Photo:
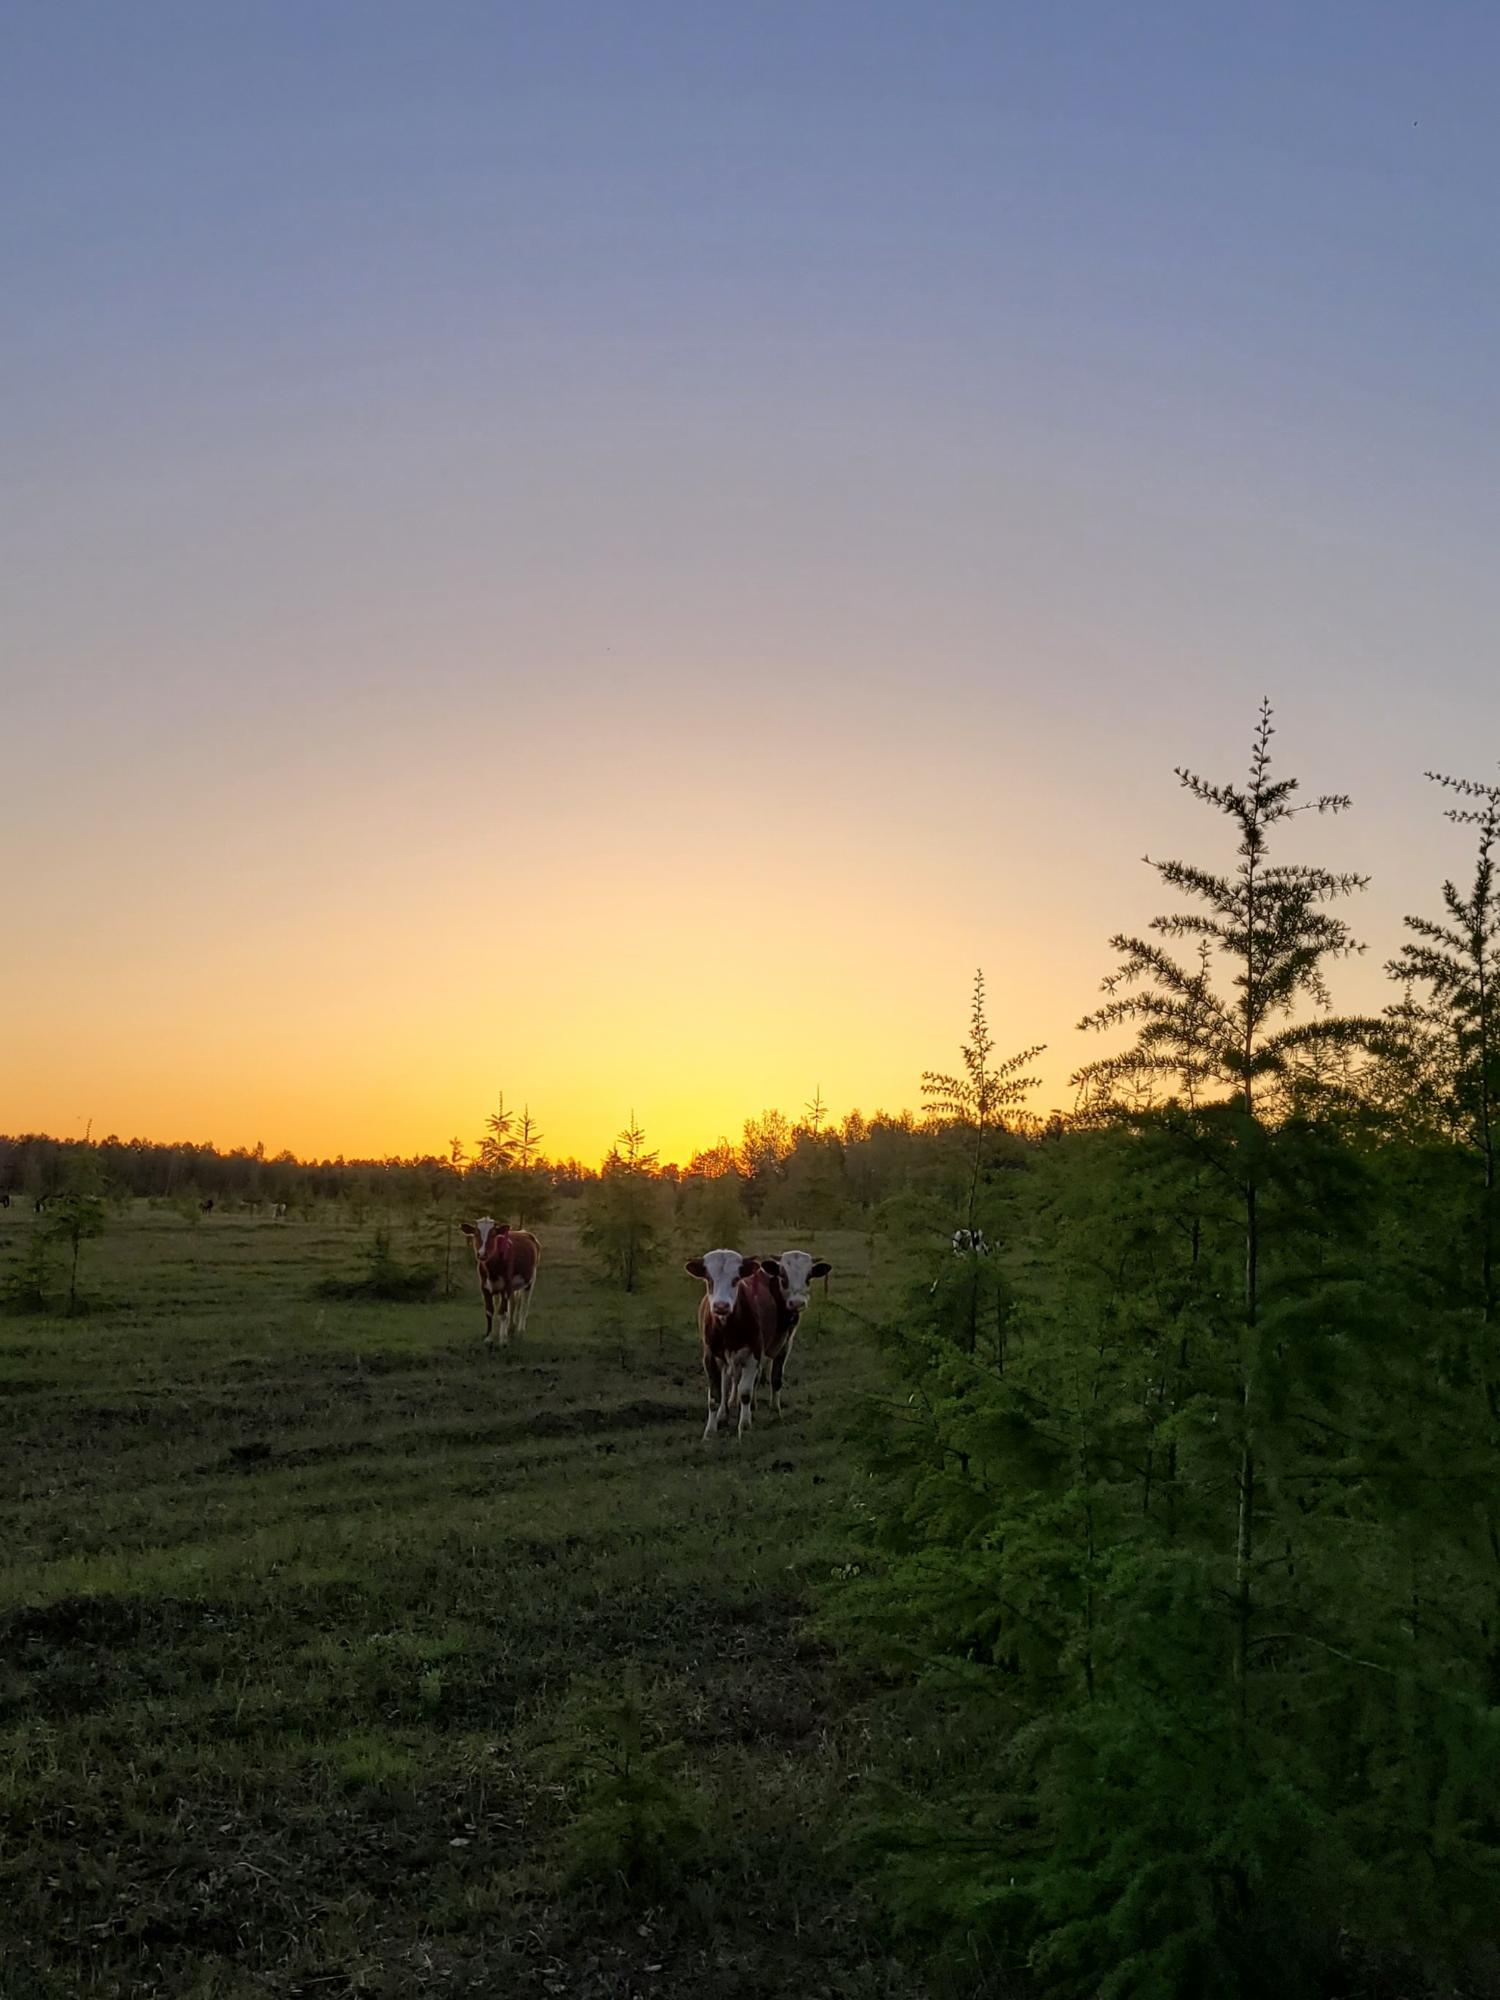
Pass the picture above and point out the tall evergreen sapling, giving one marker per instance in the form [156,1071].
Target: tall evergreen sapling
[984,1099]
[987,1100]
[622,1219]
[78,1215]
[1272,924]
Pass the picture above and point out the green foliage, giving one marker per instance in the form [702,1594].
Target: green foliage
[624,1221]
[1056,1563]
[385,1276]
[634,1820]
[980,1103]
[813,1193]
[76,1217]
[1445,1046]
[1186,1533]
[710,1208]
[26,1285]
[510,1178]
[1270,922]
[764,1150]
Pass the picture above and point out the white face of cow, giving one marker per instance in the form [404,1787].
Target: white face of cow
[721,1271]
[478,1232]
[798,1269]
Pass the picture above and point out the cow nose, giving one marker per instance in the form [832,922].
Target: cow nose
[721,1309]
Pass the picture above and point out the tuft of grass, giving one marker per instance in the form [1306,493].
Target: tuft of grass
[364,1757]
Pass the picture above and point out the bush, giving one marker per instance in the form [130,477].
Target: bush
[623,1225]
[78,1219]
[24,1287]
[634,1821]
[385,1277]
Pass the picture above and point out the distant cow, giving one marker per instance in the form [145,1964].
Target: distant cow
[737,1325]
[207,1206]
[278,1213]
[507,1261]
[4,1201]
[791,1272]
[970,1243]
[40,1204]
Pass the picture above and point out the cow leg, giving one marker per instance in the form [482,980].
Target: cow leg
[779,1375]
[489,1314]
[520,1310]
[749,1369]
[778,1370]
[506,1305]
[715,1374]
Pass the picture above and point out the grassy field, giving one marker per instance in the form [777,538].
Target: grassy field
[338,1656]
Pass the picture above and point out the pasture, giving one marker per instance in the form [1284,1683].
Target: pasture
[340,1657]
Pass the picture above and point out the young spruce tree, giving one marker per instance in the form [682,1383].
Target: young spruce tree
[1272,927]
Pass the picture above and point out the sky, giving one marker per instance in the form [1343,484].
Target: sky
[616,552]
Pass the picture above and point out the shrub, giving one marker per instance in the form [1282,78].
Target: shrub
[634,1821]
[385,1277]
[26,1282]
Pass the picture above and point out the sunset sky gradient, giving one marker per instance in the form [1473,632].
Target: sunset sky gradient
[616,552]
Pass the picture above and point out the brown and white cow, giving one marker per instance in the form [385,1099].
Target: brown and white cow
[791,1272]
[507,1261]
[737,1323]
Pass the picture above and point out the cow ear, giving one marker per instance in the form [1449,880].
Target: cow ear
[696,1268]
[820,1269]
[772,1269]
[468,1229]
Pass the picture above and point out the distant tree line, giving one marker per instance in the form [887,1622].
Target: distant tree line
[780,1172]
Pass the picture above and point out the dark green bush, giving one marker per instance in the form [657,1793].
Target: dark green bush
[385,1277]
